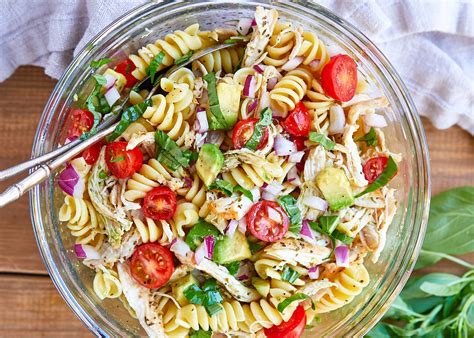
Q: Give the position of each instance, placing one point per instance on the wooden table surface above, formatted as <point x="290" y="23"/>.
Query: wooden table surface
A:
<point x="29" y="303"/>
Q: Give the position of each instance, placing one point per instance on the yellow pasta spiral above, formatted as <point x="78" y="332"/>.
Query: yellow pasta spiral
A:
<point x="186" y="215"/>
<point x="247" y="176"/>
<point x="174" y="46"/>
<point x="225" y="60"/>
<point x="82" y="221"/>
<point x="312" y="49"/>
<point x="280" y="45"/>
<point x="318" y="105"/>
<point x="349" y="283"/>
<point x="106" y="283"/>
<point x="183" y="76"/>
<point x="150" y="230"/>
<point x="140" y="126"/>
<point x="291" y="89"/>
<point x="267" y="267"/>
<point x="196" y="193"/>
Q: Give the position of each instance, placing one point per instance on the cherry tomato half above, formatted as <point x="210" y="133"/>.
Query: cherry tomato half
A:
<point x="126" y="67"/>
<point x="122" y="162"/>
<point x="265" y="227"/>
<point x="339" y="77"/>
<point x="374" y="167"/>
<point x="152" y="265"/>
<point x="91" y="154"/>
<point x="81" y="121"/>
<point x="293" y="328"/>
<point x="298" y="121"/>
<point x="159" y="203"/>
<point x="243" y="131"/>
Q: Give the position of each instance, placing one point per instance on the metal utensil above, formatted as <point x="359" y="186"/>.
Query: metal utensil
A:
<point x="57" y="157"/>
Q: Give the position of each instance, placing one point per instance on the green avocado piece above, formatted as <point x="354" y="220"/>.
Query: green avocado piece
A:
<point x="262" y="286"/>
<point x="198" y="232"/>
<point x="335" y="187"/>
<point x="180" y="285"/>
<point x="228" y="250"/>
<point x="209" y="163"/>
<point x="229" y="103"/>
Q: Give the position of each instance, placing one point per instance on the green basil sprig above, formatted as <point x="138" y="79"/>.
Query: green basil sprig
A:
<point x="387" y="174"/>
<point x="289" y="275"/>
<point x="169" y="153"/>
<point x="131" y="114"/>
<point x="183" y="58"/>
<point x="322" y="139"/>
<point x="217" y="119"/>
<point x="154" y="64"/>
<point x="297" y="296"/>
<point x="96" y="104"/>
<point x="288" y="203"/>
<point x="370" y="138"/>
<point x="99" y="63"/>
<point x="259" y="129"/>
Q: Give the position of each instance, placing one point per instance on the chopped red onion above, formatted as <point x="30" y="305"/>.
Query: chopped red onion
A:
<point x="243" y="225"/>
<point x="264" y="100"/>
<point x="188" y="182"/>
<point x="259" y="68"/>
<point x="215" y="137"/>
<point x="180" y="247"/>
<point x="306" y="232"/>
<point x="374" y="120"/>
<point x="273" y="188"/>
<point x="283" y="146"/>
<point x="112" y="95"/>
<point x="315" y="202"/>
<point x="201" y="253"/>
<point x="244" y="271"/>
<point x="273" y="214"/>
<point x="201" y="118"/>
<point x="110" y="81"/>
<point x="314" y="65"/>
<point x="296" y="157"/>
<point x="313" y="272"/>
<point x="272" y="83"/>
<point x="251" y="107"/>
<point x="250" y="86"/>
<point x="293" y="177"/>
<point x="244" y="25"/>
<point x="337" y="120"/>
<point x="200" y="139"/>
<point x="210" y="242"/>
<point x="254" y="22"/>
<point x="292" y="63"/>
<point x="233" y="224"/>
<point x="86" y="251"/>
<point x="243" y="277"/>
<point x="268" y="196"/>
<point x="71" y="183"/>
<point x="342" y="256"/>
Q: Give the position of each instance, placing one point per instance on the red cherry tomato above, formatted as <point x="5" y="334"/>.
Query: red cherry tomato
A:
<point x="299" y="141"/>
<point x="92" y="153"/>
<point x="122" y="162"/>
<point x="374" y="167"/>
<point x="81" y="121"/>
<point x="243" y="131"/>
<point x="298" y="121"/>
<point x="293" y="328"/>
<point x="159" y="203"/>
<point x="339" y="78"/>
<point x="263" y="226"/>
<point x="126" y="67"/>
<point x="152" y="265"/>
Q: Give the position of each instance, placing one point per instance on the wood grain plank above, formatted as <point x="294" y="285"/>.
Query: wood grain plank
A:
<point x="30" y="306"/>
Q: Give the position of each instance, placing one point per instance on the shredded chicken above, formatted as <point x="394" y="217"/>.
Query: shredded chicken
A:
<point x="296" y="251"/>
<point x="266" y="20"/>
<point x="385" y="220"/>
<point x="298" y="34"/>
<point x="315" y="289"/>
<point x="234" y="158"/>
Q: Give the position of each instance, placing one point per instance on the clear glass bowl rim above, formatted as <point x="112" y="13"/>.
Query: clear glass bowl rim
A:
<point x="415" y="130"/>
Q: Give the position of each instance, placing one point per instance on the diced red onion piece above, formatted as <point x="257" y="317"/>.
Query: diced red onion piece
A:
<point x="296" y="157"/>
<point x="71" y="183"/>
<point x="254" y="22"/>
<point x="274" y="214"/>
<point x="215" y="137"/>
<point x="283" y="146"/>
<point x="314" y="65"/>
<point x="233" y="224"/>
<point x="293" y="177"/>
<point x="337" y="120"/>
<point x="86" y="251"/>
<point x="244" y="25"/>
<point x="273" y="188"/>
<point x="180" y="247"/>
<point x="292" y="63"/>
<point x="259" y="68"/>
<point x="200" y="139"/>
<point x="201" y="253"/>
<point x="110" y="81"/>
<point x="201" y="117"/>
<point x="188" y="182"/>
<point x="251" y="107"/>
<point x="250" y="86"/>
<point x="272" y="83"/>
<point x="210" y="242"/>
<point x="313" y="272"/>
<point x="264" y="100"/>
<point x="243" y="277"/>
<point x="112" y="95"/>
<point x="306" y="232"/>
<point x="315" y="202"/>
<point x="243" y="225"/>
<point x="342" y="256"/>
<point x="243" y="272"/>
<point x="374" y="120"/>
<point x="268" y="196"/>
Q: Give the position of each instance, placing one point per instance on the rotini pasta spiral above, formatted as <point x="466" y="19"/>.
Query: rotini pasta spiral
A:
<point x="183" y="76"/>
<point x="280" y="45"/>
<point x="318" y="105"/>
<point x="224" y="60"/>
<point x="267" y="267"/>
<point x="196" y="193"/>
<point x="312" y="49"/>
<point x="82" y="221"/>
<point x="247" y="176"/>
<point x="106" y="283"/>
<point x="186" y="215"/>
<point x="140" y="126"/>
<point x="174" y="46"/>
<point x="162" y="232"/>
<point x="349" y="283"/>
<point x="290" y="89"/>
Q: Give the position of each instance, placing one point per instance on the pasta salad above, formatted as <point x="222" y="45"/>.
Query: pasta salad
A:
<point x="245" y="195"/>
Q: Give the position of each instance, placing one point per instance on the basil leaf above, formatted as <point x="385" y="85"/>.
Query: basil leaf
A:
<point x="169" y="153"/>
<point x="117" y="159"/>
<point x="254" y="247"/>
<point x="154" y="64"/>
<point x="413" y="288"/>
<point x="245" y="192"/>
<point x="387" y="174"/>
<point x="101" y="80"/>
<point x="328" y="223"/>
<point x="370" y="138"/>
<point x="183" y="58"/>
<point x="99" y="63"/>
<point x="347" y="240"/>
<point x="228" y="41"/>
<point x="289" y="275"/>
<point x="131" y="114"/>
<point x="444" y="290"/>
<point x="209" y="285"/>
<point x="213" y="309"/>
<point x="233" y="267"/>
<point x="224" y="186"/>
<point x="297" y="296"/>
<point x="213" y="99"/>
<point x="288" y="203"/>
<point x="194" y="294"/>
<point x="198" y="232"/>
<point x="322" y="139"/>
<point x="259" y="129"/>
<point x="200" y="334"/>
<point x="192" y="156"/>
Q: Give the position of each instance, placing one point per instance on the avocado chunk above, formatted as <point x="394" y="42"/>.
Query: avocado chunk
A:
<point x="231" y="249"/>
<point x="180" y="285"/>
<point x="262" y="286"/>
<point x="209" y="163"/>
<point x="229" y="103"/>
<point x="335" y="187"/>
<point x="198" y="232"/>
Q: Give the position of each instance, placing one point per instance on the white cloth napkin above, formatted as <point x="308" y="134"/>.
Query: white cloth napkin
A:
<point x="429" y="42"/>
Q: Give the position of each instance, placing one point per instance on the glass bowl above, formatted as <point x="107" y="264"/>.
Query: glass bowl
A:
<point x="150" y="21"/>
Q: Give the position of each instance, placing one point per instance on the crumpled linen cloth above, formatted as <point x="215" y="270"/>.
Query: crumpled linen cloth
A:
<point x="429" y="42"/>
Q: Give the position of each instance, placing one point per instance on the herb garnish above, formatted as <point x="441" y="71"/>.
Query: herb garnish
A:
<point x="387" y="174"/>
<point x="322" y="139"/>
<point x="117" y="159"/>
<point x="96" y="104"/>
<point x="198" y="232"/>
<point x="259" y="129"/>
<point x="102" y="175"/>
<point x="154" y="64"/>
<point x="289" y="275"/>
<point x="288" y="203"/>
<point x="370" y="138"/>
<point x="297" y="296"/>
<point x="183" y="58"/>
<point x="233" y="267"/>
<point x="99" y="63"/>
<point x="200" y="334"/>
<point x="169" y="153"/>
<point x="327" y="225"/>
<point x="228" y="189"/>
<point x="254" y="247"/>
<point x="216" y="120"/>
<point x="131" y="114"/>
<point x="208" y="296"/>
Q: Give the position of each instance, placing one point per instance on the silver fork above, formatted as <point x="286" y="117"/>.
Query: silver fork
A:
<point x="45" y="164"/>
